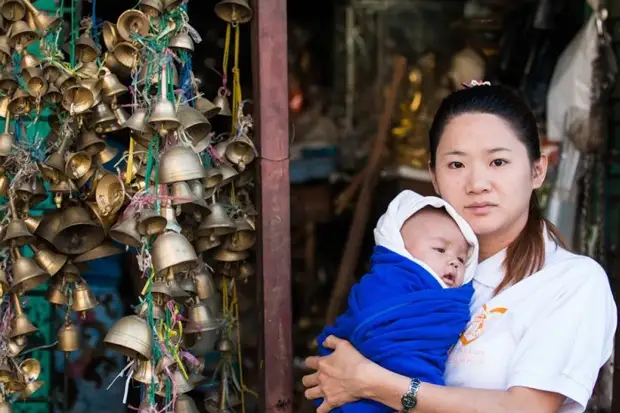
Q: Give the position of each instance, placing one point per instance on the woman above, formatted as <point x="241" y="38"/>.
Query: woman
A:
<point x="544" y="318"/>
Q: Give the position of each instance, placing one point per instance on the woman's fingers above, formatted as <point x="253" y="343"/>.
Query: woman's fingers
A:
<point x="313" y="393"/>
<point x="332" y="342"/>
<point x="311" y="380"/>
<point x="312" y="362"/>
<point x="324" y="408"/>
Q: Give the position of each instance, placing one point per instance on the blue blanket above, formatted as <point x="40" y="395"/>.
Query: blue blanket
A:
<point x="402" y="319"/>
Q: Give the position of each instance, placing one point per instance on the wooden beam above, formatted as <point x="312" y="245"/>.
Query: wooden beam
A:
<point x="270" y="82"/>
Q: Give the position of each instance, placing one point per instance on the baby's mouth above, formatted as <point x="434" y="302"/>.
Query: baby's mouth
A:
<point x="449" y="279"/>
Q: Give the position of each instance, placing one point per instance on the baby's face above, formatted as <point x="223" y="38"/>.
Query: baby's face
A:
<point x="433" y="237"/>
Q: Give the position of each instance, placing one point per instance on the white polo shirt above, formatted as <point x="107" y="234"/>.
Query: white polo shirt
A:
<point x="552" y="331"/>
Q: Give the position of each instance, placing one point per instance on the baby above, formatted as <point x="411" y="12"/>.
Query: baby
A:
<point x="409" y="310"/>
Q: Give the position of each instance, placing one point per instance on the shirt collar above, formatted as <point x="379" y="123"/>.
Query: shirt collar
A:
<point x="490" y="272"/>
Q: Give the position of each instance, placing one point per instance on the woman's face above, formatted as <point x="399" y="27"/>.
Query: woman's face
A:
<point x="484" y="171"/>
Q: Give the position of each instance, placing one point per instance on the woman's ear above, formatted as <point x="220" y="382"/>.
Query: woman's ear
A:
<point x="539" y="172"/>
<point x="433" y="179"/>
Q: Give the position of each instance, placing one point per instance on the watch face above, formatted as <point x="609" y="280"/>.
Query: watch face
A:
<point x="409" y="401"/>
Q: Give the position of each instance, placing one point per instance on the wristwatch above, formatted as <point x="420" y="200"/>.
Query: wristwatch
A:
<point x="410" y="399"/>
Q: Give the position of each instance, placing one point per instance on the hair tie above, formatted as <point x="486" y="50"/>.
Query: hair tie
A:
<point x="474" y="83"/>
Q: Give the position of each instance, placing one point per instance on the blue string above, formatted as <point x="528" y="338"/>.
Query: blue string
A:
<point x="186" y="78"/>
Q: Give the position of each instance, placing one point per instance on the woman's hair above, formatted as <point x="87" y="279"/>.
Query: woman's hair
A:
<point x="526" y="254"/>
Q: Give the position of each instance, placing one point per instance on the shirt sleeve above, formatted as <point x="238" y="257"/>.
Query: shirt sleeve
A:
<point x="563" y="351"/>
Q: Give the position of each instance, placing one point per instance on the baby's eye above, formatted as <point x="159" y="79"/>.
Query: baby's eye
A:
<point x="440" y="250"/>
<point x="462" y="260"/>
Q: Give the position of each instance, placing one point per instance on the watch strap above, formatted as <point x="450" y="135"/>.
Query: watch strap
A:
<point x="410" y="399"/>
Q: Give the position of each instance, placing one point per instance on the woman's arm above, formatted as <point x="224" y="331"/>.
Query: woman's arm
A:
<point x="345" y="376"/>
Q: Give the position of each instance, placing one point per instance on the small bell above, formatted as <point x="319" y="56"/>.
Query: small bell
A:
<point x="241" y="151"/>
<point x="49" y="261"/>
<point x="68" y="338"/>
<point x="185" y="404"/>
<point x="163" y="118"/>
<point x="110" y="194"/>
<point x="126" y="232"/>
<point x="225" y="255"/>
<point x="182" y="41"/>
<point x="143" y="372"/>
<point x="20" y="103"/>
<point x="205" y="286"/>
<point x="30" y="369"/>
<point x="180" y="163"/>
<point x="83" y="299"/>
<point x="103" y="119"/>
<point x="105" y="249"/>
<point x="85" y="48"/>
<point x="22" y="35"/>
<point x="110" y="35"/>
<point x="217" y="223"/>
<point x="200" y="319"/>
<point x="20" y="325"/>
<point x="13" y="10"/>
<point x="77" y="232"/>
<point x="126" y="54"/>
<point x="77" y="99"/>
<point x="27" y="275"/>
<point x="172" y="250"/>
<point x="207" y="243"/>
<point x="17" y="234"/>
<point x="234" y="11"/>
<point x="195" y="124"/>
<point x="89" y="142"/>
<point x="132" y="22"/>
<point x="221" y="101"/>
<point x="206" y="107"/>
<point x="57" y="293"/>
<point x="112" y="87"/>
<point x="151" y="223"/>
<point x="42" y="21"/>
<point x="152" y="8"/>
<point x="229" y="174"/>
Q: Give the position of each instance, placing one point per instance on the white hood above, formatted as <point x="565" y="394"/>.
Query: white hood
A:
<point x="406" y="204"/>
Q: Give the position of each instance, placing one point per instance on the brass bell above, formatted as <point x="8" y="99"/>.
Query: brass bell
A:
<point x="168" y="212"/>
<point x="200" y="319"/>
<point x="206" y="107"/>
<point x="85" y="48"/>
<point x="172" y="4"/>
<point x="205" y="286"/>
<point x="13" y="387"/>
<point x="5" y="182"/>
<point x="5" y="407"/>
<point x="172" y="250"/>
<point x="160" y="290"/>
<point x="241" y="151"/>
<point x="212" y="178"/>
<point x="43" y="21"/>
<point x="29" y="60"/>
<point x="107" y="155"/>
<point x="221" y="101"/>
<point x="151" y="223"/>
<point x="180" y="163"/>
<point x="65" y="81"/>
<point x="126" y="232"/>
<point x="6" y="373"/>
<point x="5" y="50"/>
<point x="77" y="99"/>
<point x="185" y="404"/>
<point x="207" y="243"/>
<point x="17" y="233"/>
<point x="130" y="336"/>
<point x="165" y="363"/>
<point x="8" y="83"/>
<point x="27" y="275"/>
<point x="121" y="116"/>
<point x="195" y="124"/>
<point x="182" y="385"/>
<point x="132" y="22"/>
<point x="187" y="284"/>
<point x="137" y="123"/>
<point x="176" y="292"/>
<point x="77" y="232"/>
<point x="110" y="194"/>
<point x="182" y="41"/>
<point x="89" y="142"/>
<point x="30" y="369"/>
<point x="32" y="223"/>
<point x="20" y="325"/>
<point x="22" y="35"/>
<point x="53" y="95"/>
<point x="4" y="284"/>
<point x="110" y="35"/>
<point x="234" y="11"/>
<point x="243" y="238"/>
<point x="112" y="86"/>
<point x="158" y="312"/>
<point x="83" y="299"/>
<point x="68" y="338"/>
<point x="152" y="8"/>
<point x="51" y="73"/>
<point x="49" y="261"/>
<point x="20" y="103"/>
<point x="31" y="388"/>
<point x="217" y="223"/>
<point x="229" y="174"/>
<point x="78" y="164"/>
<point x="163" y="118"/>
<point x="13" y="10"/>
<point x="105" y="249"/>
<point x="224" y="255"/>
<point x="183" y="195"/>
<point x="7" y="139"/>
<point x="103" y="119"/>
<point x="57" y="293"/>
<point x="71" y="273"/>
<point x="35" y="82"/>
<point x="143" y="372"/>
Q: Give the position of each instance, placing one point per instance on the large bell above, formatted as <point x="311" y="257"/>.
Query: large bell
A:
<point x="13" y="10"/>
<point x="126" y="232"/>
<point x="217" y="223"/>
<point x="22" y="35"/>
<point x="68" y="338"/>
<point x="20" y="325"/>
<point x="85" y="48"/>
<point x="180" y="163"/>
<point x="48" y="260"/>
<point x="130" y="336"/>
<point x="234" y="11"/>
<point x="132" y="22"/>
<point x="110" y="194"/>
<point x="27" y="275"/>
<point x="163" y="118"/>
<point x="172" y="250"/>
<point x="77" y="232"/>
<point x="195" y="124"/>
<point x="83" y="298"/>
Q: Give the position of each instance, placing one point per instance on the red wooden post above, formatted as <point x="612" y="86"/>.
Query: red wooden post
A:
<point x="270" y="80"/>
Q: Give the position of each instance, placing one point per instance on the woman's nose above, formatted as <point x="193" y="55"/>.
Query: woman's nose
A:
<point x="479" y="180"/>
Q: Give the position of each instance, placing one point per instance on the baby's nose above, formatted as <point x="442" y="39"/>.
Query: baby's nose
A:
<point x="454" y="263"/>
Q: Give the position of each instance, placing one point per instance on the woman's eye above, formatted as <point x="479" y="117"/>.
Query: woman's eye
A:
<point x="499" y="162"/>
<point x="440" y="250"/>
<point x="455" y="165"/>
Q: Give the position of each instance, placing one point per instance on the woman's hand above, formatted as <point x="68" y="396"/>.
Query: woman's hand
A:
<point x="339" y="378"/>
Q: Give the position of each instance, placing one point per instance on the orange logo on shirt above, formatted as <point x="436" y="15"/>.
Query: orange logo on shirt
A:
<point x="475" y="328"/>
